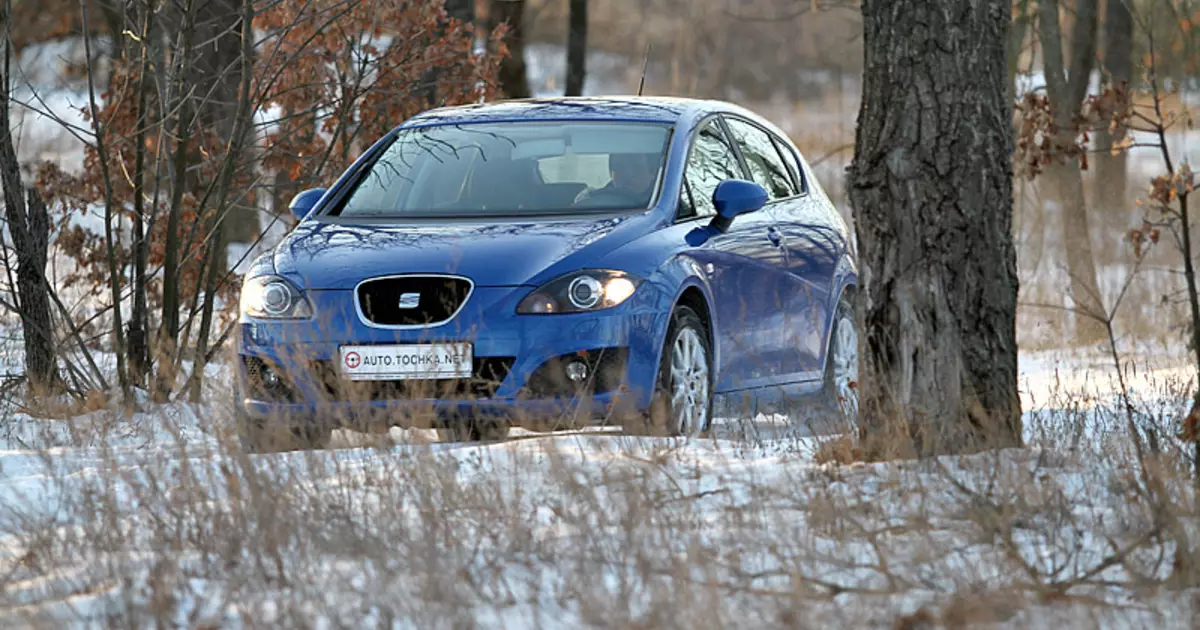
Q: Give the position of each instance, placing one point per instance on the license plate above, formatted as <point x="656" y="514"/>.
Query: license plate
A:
<point x="406" y="362"/>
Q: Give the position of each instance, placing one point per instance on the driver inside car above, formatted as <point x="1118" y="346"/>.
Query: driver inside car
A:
<point x="632" y="178"/>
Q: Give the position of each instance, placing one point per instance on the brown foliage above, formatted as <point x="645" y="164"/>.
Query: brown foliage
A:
<point x="1040" y="141"/>
<point x="340" y="74"/>
<point x="44" y="20"/>
<point x="75" y="194"/>
<point x="1190" y="425"/>
<point x="1143" y="237"/>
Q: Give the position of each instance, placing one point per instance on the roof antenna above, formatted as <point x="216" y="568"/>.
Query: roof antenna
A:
<point x="645" y="64"/>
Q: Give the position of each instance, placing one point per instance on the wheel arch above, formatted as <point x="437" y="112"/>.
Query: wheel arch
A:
<point x="695" y="293"/>
<point x="847" y="287"/>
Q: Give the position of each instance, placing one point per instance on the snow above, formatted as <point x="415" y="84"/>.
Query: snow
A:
<point x="47" y="115"/>
<point x="115" y="518"/>
<point x="156" y="515"/>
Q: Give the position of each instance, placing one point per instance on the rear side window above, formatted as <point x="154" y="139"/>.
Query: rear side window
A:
<point x="789" y="156"/>
<point x="711" y="161"/>
<point x="766" y="164"/>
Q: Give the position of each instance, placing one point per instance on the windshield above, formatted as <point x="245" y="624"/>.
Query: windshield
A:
<point x="513" y="169"/>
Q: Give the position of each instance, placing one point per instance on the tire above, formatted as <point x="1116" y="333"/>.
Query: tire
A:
<point x="473" y="430"/>
<point x="258" y="436"/>
<point x="682" y="409"/>
<point x="839" y="389"/>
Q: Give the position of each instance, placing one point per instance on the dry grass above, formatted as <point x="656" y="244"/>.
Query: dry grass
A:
<point x="745" y="529"/>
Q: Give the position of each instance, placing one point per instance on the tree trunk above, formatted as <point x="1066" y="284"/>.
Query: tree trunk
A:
<point x="1065" y="176"/>
<point x="139" y="319"/>
<point x="240" y="134"/>
<point x="1016" y="45"/>
<point x="513" y="80"/>
<point x="29" y="227"/>
<point x="463" y="11"/>
<point x="931" y="186"/>
<point x="215" y="72"/>
<point x="168" y="341"/>
<point x="577" y="47"/>
<point x="112" y="241"/>
<point x="1111" y="177"/>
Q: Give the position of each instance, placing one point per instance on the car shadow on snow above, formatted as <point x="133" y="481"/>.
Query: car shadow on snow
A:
<point x="755" y="429"/>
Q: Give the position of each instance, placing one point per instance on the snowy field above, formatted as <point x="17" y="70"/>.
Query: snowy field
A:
<point x="156" y="517"/>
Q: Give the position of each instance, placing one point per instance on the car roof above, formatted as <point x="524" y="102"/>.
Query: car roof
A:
<point x="624" y="108"/>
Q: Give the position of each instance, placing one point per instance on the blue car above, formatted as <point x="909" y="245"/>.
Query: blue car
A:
<point x="547" y="263"/>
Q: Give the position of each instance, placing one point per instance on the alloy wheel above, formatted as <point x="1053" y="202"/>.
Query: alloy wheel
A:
<point x="845" y="367"/>
<point x="689" y="382"/>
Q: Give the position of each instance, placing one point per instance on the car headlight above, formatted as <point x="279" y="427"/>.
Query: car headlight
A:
<point x="272" y="297"/>
<point x="579" y="292"/>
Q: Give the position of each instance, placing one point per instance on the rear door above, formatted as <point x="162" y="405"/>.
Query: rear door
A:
<point x="745" y="265"/>
<point x="799" y="317"/>
<point x="818" y="240"/>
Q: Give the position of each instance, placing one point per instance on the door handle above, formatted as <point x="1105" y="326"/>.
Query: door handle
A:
<point x="776" y="238"/>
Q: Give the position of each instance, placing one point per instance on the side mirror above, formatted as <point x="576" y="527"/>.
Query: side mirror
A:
<point x="734" y="197"/>
<point x="303" y="203"/>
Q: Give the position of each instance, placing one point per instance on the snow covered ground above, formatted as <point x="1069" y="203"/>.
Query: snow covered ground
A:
<point x="157" y="518"/>
<point x="110" y="520"/>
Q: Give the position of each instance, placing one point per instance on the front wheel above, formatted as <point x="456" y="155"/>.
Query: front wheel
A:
<point x="683" y="398"/>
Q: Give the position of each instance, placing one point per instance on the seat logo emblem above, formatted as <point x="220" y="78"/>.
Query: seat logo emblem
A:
<point x="410" y="300"/>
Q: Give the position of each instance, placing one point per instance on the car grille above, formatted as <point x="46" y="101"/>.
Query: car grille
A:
<point x="389" y="301"/>
<point x="488" y="373"/>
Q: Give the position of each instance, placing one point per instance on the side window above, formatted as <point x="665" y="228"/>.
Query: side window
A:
<point x="789" y="156"/>
<point x="711" y="161"/>
<point x="766" y="165"/>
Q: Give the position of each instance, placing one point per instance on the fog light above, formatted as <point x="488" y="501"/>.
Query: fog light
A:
<point x="270" y="377"/>
<point x="577" y="371"/>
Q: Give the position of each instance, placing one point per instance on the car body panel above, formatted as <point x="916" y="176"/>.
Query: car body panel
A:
<point x="326" y="255"/>
<point x="488" y="321"/>
<point x="769" y="282"/>
<point x="746" y="273"/>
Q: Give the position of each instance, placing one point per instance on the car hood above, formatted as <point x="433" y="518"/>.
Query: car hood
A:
<point x="325" y="255"/>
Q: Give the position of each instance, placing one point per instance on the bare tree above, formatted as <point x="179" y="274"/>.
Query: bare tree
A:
<point x="1066" y="94"/>
<point x="215" y="72"/>
<point x="29" y="226"/>
<point x="1111" y="177"/>
<point x="461" y="10"/>
<point x="139" y="316"/>
<point x="239" y="138"/>
<point x="111" y="213"/>
<point x="1022" y="19"/>
<point x="931" y="184"/>
<point x="168" y="340"/>
<point x="513" y="77"/>
<point x="577" y="47"/>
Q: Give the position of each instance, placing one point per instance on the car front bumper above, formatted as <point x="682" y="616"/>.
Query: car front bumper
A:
<point x="624" y="341"/>
<point x="543" y="414"/>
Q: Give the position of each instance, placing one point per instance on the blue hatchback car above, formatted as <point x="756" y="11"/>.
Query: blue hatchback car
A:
<point x="551" y="262"/>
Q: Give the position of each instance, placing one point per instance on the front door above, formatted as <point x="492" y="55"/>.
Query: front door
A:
<point x="803" y="296"/>
<point x="746" y="267"/>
